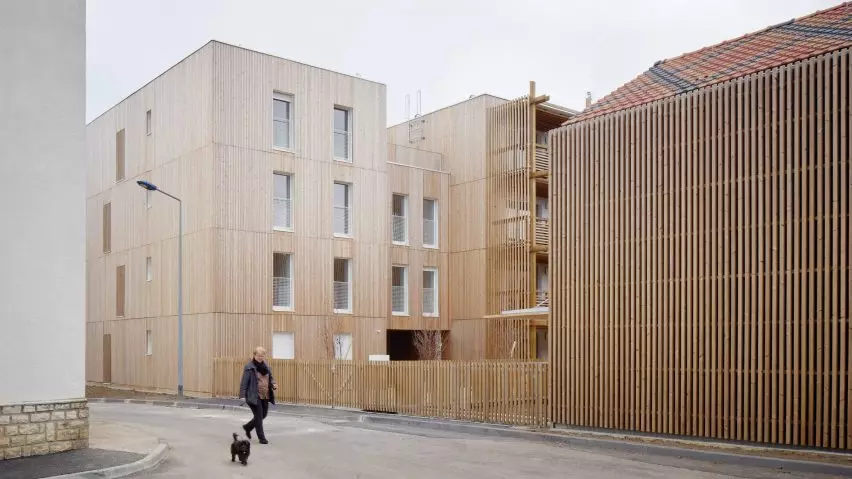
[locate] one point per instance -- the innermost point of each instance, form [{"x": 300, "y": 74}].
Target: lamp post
[{"x": 152, "y": 187}]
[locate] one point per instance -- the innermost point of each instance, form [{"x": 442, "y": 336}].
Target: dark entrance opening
[{"x": 400, "y": 345}]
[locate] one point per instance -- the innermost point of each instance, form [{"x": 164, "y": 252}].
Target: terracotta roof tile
[{"x": 818, "y": 33}]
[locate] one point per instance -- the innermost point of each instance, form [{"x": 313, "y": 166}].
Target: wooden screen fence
[
  {"x": 701, "y": 262},
  {"x": 508, "y": 392}
]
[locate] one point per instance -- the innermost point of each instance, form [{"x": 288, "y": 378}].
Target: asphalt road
[{"x": 336, "y": 448}]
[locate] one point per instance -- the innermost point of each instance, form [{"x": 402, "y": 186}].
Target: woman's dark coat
[{"x": 248, "y": 385}]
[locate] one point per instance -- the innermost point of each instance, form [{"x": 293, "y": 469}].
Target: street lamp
[{"x": 152, "y": 187}]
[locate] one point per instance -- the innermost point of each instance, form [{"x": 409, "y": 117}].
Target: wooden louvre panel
[
  {"x": 120, "y": 291},
  {"x": 119, "y": 155},
  {"x": 107, "y": 226},
  {"x": 701, "y": 253}
]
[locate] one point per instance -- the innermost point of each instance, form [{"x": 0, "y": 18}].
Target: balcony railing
[
  {"x": 400, "y": 231},
  {"x": 429, "y": 306},
  {"x": 342, "y": 224},
  {"x": 282, "y": 292},
  {"x": 342, "y": 300},
  {"x": 398, "y": 300},
  {"x": 430, "y": 238},
  {"x": 542, "y": 299},
  {"x": 542, "y": 159},
  {"x": 282, "y": 213},
  {"x": 542, "y": 231}
]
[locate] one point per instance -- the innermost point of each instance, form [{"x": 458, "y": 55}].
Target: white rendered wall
[{"x": 42, "y": 200}]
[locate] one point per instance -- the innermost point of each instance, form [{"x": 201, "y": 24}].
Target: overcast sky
[{"x": 448, "y": 49}]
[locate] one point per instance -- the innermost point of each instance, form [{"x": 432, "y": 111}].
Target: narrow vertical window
[
  {"x": 282, "y": 281},
  {"x": 282, "y": 124},
  {"x": 282, "y": 206},
  {"x": 119, "y": 156},
  {"x": 342, "y": 209},
  {"x": 119, "y": 291},
  {"x": 430, "y": 223},
  {"x": 342, "y": 134},
  {"x": 430, "y": 292},
  {"x": 106, "y": 223},
  {"x": 399, "y": 290},
  {"x": 149, "y": 269},
  {"x": 149, "y": 343},
  {"x": 148, "y": 123},
  {"x": 342, "y": 285},
  {"x": 399, "y": 219}
]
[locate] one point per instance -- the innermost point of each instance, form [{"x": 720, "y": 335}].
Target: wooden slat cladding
[
  {"x": 701, "y": 262},
  {"x": 509, "y": 212}
]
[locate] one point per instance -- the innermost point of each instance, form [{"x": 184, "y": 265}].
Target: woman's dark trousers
[{"x": 259, "y": 410}]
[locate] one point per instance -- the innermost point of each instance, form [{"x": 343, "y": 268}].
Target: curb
[
  {"x": 152, "y": 460},
  {"x": 282, "y": 408},
  {"x": 631, "y": 447}
]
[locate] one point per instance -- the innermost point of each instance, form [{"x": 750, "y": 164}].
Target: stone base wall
[{"x": 41, "y": 428}]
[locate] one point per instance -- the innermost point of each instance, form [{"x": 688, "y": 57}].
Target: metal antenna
[
  {"x": 419, "y": 111},
  {"x": 407, "y": 106}
]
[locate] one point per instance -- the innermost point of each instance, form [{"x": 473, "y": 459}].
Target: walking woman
[{"x": 258, "y": 389}]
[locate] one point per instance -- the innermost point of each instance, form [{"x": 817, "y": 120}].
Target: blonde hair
[{"x": 259, "y": 349}]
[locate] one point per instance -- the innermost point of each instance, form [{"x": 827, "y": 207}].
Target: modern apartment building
[{"x": 309, "y": 226}]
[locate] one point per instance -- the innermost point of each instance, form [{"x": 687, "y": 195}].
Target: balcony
[{"x": 542, "y": 231}]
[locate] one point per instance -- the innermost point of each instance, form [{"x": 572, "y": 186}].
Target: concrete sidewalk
[{"x": 115, "y": 449}]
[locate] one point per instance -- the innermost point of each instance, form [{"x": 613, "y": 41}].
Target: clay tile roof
[{"x": 804, "y": 37}]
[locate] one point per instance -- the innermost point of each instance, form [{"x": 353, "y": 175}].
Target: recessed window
[
  {"x": 343, "y": 346},
  {"x": 430, "y": 223},
  {"x": 342, "y": 134},
  {"x": 430, "y": 292},
  {"x": 399, "y": 290},
  {"x": 282, "y": 204},
  {"x": 120, "y": 291},
  {"x": 282, "y": 121},
  {"x": 282, "y": 281},
  {"x": 342, "y": 209},
  {"x": 106, "y": 223},
  {"x": 283, "y": 345},
  {"x": 399, "y": 219},
  {"x": 119, "y": 156},
  {"x": 342, "y": 285},
  {"x": 149, "y": 269},
  {"x": 148, "y": 122},
  {"x": 149, "y": 343},
  {"x": 148, "y": 198}
]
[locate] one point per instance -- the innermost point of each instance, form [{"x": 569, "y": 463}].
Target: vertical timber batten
[{"x": 721, "y": 216}]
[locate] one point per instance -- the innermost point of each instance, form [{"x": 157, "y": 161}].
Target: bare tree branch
[{"x": 430, "y": 345}]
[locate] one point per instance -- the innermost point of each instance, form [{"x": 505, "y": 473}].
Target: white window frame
[
  {"x": 149, "y": 269},
  {"x": 347, "y": 132},
  {"x": 149, "y": 123},
  {"x": 277, "y": 96},
  {"x": 276, "y": 353},
  {"x": 341, "y": 339},
  {"x": 404, "y": 219},
  {"x": 149, "y": 343},
  {"x": 289, "y": 272},
  {"x": 348, "y": 210},
  {"x": 436, "y": 228},
  {"x": 288, "y": 201},
  {"x": 405, "y": 311},
  {"x": 350, "y": 299},
  {"x": 436, "y": 296}
]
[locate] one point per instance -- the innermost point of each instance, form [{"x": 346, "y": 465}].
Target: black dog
[{"x": 240, "y": 448}]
